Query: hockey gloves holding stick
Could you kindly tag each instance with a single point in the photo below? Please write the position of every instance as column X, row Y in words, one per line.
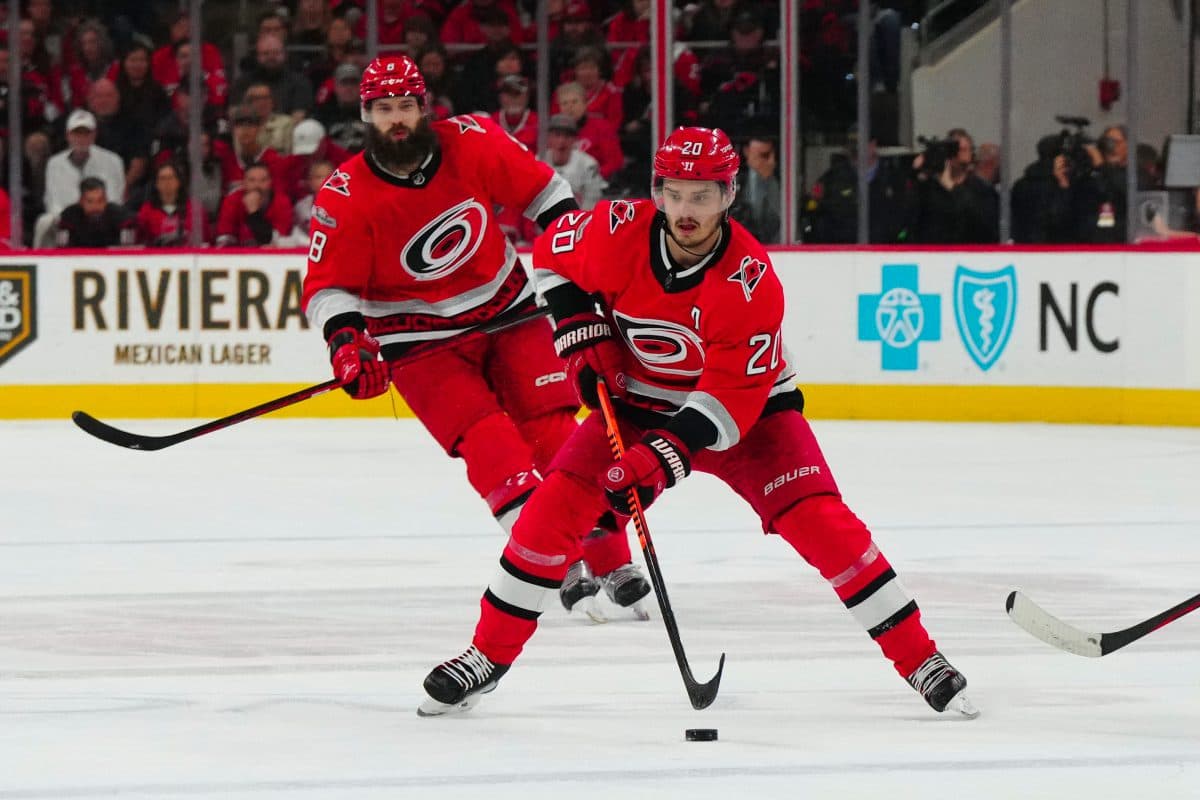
column 657, row 462
column 354, row 354
column 585, row 341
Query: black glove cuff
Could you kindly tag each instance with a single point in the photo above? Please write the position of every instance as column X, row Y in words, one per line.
column 580, row 332
column 671, row 453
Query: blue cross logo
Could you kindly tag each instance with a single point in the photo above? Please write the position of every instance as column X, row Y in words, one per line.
column 899, row 317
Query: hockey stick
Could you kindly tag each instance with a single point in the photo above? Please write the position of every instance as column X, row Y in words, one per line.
column 1053, row 631
column 137, row 441
column 701, row 694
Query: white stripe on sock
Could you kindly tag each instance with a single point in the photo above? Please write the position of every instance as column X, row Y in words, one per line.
column 883, row 603
column 519, row 593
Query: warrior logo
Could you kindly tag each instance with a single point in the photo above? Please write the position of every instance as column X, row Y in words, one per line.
column 338, row 182
column 664, row 348
column 985, row 304
column 748, row 274
column 446, row 243
column 18, row 303
column 619, row 212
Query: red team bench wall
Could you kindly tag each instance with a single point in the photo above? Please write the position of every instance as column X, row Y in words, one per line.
column 1103, row 335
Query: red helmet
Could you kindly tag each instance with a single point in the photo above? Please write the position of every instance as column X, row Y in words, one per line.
column 391, row 76
column 697, row 154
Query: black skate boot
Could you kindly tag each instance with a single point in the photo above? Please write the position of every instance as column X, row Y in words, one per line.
column 456, row 685
column 579, row 585
column 625, row 586
column 942, row 686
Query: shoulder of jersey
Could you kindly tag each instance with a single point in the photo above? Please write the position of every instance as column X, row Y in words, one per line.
column 746, row 269
column 463, row 129
column 339, row 187
column 620, row 218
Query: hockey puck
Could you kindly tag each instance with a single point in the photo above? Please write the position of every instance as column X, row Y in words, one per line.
column 700, row 734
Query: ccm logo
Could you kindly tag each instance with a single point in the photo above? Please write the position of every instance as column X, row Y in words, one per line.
column 553, row 377
column 788, row 477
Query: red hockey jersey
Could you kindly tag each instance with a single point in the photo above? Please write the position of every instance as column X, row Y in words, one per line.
column 705, row 337
column 422, row 257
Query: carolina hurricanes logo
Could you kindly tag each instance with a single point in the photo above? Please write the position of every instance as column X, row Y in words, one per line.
column 748, row 274
column 339, row 182
column 446, row 243
column 664, row 348
column 619, row 212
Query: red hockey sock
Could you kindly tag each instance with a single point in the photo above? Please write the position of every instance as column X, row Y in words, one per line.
column 499, row 463
column 831, row 538
column 605, row 550
column 544, row 542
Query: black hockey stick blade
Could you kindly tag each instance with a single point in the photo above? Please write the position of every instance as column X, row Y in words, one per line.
column 702, row 695
column 1050, row 629
column 137, row 441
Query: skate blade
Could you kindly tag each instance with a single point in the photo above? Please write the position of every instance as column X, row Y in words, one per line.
column 589, row 606
column 639, row 611
column 432, row 708
column 962, row 705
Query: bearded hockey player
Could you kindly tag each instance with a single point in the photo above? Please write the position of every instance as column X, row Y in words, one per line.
column 679, row 310
column 405, row 251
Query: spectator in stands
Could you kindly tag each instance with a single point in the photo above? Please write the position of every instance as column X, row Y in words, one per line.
column 94, row 56
column 309, row 25
column 955, row 206
column 216, row 88
column 276, row 130
column 419, row 32
column 143, row 100
column 578, row 168
column 1041, row 198
column 713, row 20
column 34, row 56
column 341, row 114
column 254, row 214
column 464, row 24
column 602, row 98
column 165, row 63
column 478, row 78
column 578, row 31
column 597, row 137
column 1100, row 202
column 172, row 131
column 628, row 31
column 47, row 34
column 757, row 205
column 309, row 145
column 165, row 219
column 439, row 81
column 81, row 159
column 515, row 115
column 742, row 80
column 318, row 172
column 34, row 94
column 246, row 149
column 831, row 209
column 338, row 41
column 291, row 89
column 92, row 221
column 119, row 133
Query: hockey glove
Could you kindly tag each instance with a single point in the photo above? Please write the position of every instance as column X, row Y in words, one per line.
column 355, row 358
column 657, row 462
column 586, row 343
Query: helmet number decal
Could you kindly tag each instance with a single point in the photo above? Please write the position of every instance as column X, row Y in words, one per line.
column 693, row 148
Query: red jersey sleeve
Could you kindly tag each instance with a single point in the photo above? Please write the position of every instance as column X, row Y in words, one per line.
column 340, row 254
column 560, row 253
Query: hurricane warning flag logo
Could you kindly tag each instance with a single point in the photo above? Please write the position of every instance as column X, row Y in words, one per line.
column 18, row 304
column 985, row 305
column 748, row 274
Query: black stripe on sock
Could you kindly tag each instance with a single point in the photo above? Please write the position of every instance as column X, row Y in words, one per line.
column 509, row 608
column 871, row 588
column 895, row 619
column 522, row 575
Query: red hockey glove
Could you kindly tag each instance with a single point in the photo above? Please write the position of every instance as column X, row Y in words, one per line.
column 586, row 343
column 657, row 462
column 355, row 358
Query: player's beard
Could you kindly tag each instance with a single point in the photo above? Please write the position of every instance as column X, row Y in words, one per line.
column 401, row 155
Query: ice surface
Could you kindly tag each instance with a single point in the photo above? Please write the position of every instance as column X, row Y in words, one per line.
column 250, row 615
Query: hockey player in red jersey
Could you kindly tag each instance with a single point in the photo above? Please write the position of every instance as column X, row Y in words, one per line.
column 404, row 251
column 687, row 338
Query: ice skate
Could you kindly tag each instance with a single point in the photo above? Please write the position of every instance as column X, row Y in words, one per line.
column 942, row 686
column 626, row 587
column 457, row 685
column 579, row 590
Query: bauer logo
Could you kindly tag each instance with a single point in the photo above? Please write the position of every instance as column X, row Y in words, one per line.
column 985, row 305
column 899, row 317
column 18, row 309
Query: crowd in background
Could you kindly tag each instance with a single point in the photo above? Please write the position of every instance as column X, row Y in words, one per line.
column 105, row 115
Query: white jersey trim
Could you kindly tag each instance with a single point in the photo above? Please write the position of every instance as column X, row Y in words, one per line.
column 556, row 191
column 328, row 303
